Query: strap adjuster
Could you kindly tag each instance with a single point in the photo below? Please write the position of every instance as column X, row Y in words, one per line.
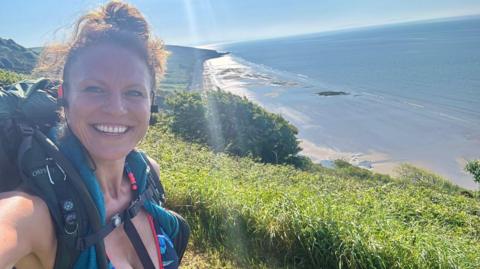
column 25, row 129
column 116, row 220
column 133, row 210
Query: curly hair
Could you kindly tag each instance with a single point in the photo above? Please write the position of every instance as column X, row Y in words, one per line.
column 117, row 23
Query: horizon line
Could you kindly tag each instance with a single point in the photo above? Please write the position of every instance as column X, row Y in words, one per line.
column 211, row 45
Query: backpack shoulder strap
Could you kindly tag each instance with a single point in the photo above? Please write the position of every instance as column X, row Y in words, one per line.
column 154, row 181
column 180, row 241
column 47, row 172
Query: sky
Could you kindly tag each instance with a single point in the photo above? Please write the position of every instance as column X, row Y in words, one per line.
column 200, row 22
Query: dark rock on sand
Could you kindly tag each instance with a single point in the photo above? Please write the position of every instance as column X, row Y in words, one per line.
column 332, row 93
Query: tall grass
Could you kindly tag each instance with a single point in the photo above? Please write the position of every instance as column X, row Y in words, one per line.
column 419, row 176
column 269, row 216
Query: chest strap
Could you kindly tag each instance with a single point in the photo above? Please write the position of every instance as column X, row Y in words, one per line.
column 84, row 243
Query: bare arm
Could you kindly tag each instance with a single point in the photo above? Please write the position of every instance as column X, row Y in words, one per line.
column 26, row 232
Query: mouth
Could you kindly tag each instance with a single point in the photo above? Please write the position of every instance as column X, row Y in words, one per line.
column 111, row 129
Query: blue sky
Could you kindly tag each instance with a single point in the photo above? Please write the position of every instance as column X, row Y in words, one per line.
column 197, row 22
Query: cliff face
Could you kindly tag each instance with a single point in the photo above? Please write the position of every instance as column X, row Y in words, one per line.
column 15, row 57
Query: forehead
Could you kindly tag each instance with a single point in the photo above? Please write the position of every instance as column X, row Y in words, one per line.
column 110, row 64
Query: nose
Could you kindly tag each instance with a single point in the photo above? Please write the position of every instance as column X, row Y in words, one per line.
column 115, row 104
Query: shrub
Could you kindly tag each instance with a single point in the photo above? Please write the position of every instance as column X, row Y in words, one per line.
column 231, row 124
column 473, row 167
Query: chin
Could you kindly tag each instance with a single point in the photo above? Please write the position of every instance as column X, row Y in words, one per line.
column 109, row 154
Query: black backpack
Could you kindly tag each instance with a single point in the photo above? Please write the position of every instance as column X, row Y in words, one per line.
column 31, row 161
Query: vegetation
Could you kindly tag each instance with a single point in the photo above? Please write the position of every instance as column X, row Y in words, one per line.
column 252, row 215
column 422, row 177
column 246, row 214
column 231, row 124
column 184, row 68
column 9, row 77
column 473, row 167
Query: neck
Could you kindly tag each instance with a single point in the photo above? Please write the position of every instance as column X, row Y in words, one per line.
column 110, row 176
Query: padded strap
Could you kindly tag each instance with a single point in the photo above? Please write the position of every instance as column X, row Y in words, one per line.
column 79, row 186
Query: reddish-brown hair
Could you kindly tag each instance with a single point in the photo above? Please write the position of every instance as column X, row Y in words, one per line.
column 116, row 22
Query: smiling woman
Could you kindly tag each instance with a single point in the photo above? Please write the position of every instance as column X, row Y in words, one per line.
column 110, row 70
column 108, row 101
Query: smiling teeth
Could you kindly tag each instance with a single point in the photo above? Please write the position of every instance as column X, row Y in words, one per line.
column 113, row 129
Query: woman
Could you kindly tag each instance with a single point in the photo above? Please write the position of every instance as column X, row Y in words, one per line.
column 110, row 70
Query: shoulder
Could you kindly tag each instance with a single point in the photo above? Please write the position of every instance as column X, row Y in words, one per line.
column 26, row 227
column 19, row 206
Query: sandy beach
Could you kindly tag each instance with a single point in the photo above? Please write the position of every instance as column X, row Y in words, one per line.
column 340, row 127
column 227, row 74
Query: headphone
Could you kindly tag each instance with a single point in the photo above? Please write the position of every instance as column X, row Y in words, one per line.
column 61, row 102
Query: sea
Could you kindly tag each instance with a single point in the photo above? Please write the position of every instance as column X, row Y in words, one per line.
column 376, row 96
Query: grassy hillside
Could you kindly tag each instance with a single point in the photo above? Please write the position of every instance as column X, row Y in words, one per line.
column 252, row 215
column 15, row 57
column 184, row 67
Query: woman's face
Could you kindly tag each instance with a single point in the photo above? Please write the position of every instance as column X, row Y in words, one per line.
column 108, row 100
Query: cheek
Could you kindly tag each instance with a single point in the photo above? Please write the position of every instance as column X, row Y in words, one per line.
column 77, row 109
column 143, row 115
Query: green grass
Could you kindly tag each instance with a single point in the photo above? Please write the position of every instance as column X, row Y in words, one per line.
column 251, row 215
column 419, row 176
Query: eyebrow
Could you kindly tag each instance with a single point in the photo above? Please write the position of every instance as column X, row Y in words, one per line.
column 89, row 81
column 136, row 85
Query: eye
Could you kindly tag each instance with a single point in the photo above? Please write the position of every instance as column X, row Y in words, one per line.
column 93, row 89
column 135, row 93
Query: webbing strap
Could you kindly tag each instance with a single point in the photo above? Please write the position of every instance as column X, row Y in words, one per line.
column 84, row 243
column 138, row 245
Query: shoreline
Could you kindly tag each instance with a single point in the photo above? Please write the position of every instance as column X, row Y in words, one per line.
column 320, row 154
column 197, row 75
column 349, row 115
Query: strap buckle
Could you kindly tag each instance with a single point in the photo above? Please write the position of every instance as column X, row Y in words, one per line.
column 116, row 220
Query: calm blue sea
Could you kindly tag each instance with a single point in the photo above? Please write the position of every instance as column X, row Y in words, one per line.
column 414, row 89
